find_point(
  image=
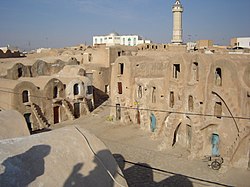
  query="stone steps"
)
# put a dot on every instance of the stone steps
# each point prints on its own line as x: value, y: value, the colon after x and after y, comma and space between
x: 40, y: 117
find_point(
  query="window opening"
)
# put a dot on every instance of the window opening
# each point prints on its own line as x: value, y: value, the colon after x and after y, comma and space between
x: 76, y: 89
x: 176, y: 70
x: 153, y: 95
x: 190, y: 103
x: 25, y: 95
x: 139, y: 93
x: 121, y: 68
x: 171, y: 103
x: 55, y: 92
x: 218, y: 109
x: 89, y: 90
x: 218, y: 77
x: 195, y: 69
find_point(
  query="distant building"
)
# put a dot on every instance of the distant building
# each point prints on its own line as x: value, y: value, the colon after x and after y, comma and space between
x: 115, y: 39
x: 9, y: 52
x: 204, y: 44
x: 243, y: 42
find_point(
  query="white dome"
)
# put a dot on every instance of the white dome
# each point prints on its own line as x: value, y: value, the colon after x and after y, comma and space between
x: 114, y: 34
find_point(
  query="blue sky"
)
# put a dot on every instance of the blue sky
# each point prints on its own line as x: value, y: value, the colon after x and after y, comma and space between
x: 59, y: 23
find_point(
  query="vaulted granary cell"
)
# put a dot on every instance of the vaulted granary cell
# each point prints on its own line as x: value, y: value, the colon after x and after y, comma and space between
x: 19, y: 72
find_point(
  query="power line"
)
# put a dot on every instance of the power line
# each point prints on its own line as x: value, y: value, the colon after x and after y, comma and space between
x: 172, y: 173
x: 90, y: 147
x: 179, y: 112
x: 145, y: 109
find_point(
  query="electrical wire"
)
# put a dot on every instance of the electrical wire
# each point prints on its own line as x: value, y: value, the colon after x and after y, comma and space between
x: 172, y: 173
x: 146, y: 109
x: 90, y: 147
x: 144, y: 166
x: 178, y: 112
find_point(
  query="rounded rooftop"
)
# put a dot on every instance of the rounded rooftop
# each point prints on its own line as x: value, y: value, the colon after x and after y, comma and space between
x: 113, y: 34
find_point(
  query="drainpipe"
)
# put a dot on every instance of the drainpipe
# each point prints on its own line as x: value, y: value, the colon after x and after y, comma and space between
x: 236, y: 125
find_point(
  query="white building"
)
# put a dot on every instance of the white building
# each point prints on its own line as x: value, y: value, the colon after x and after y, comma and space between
x: 241, y: 42
x: 115, y: 39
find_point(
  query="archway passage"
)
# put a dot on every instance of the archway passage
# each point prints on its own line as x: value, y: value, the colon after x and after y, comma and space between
x: 56, y: 114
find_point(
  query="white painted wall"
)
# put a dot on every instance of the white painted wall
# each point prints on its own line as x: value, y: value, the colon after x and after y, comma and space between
x: 128, y: 40
x: 243, y: 42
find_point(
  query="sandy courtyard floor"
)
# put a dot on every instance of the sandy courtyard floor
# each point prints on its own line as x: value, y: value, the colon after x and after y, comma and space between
x: 145, y: 165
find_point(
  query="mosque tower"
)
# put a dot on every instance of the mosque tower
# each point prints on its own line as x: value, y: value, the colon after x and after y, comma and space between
x: 177, y: 10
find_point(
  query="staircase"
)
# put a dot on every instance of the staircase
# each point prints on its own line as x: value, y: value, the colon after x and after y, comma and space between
x: 68, y: 109
x: 232, y: 149
x: 42, y: 121
x: 242, y: 132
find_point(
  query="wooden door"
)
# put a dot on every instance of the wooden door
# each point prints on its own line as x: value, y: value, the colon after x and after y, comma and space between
x: 56, y: 114
x: 77, y: 110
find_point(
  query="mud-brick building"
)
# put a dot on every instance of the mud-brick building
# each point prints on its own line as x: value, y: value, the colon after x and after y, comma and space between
x: 14, y: 70
x: 196, y: 101
x: 24, y: 97
x: 52, y: 94
x: 78, y: 89
x: 97, y: 61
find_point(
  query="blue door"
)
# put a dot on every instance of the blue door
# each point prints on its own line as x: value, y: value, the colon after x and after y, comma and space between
x: 152, y: 122
x: 215, y: 145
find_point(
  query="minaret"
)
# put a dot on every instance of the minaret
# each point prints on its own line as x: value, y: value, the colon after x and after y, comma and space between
x: 177, y: 10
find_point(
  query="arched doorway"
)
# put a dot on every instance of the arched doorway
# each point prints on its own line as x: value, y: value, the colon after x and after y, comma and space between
x: 77, y: 110
x: 215, y: 144
x: 152, y: 122
x: 27, y: 119
x: 175, y: 138
x: 56, y: 111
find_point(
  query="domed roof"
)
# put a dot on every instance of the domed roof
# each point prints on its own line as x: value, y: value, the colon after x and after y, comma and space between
x: 113, y: 34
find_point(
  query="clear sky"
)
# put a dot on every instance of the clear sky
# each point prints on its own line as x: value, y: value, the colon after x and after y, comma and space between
x: 59, y: 23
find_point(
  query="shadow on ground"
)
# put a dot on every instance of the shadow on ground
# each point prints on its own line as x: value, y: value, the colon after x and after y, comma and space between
x: 23, y: 169
x: 141, y: 175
